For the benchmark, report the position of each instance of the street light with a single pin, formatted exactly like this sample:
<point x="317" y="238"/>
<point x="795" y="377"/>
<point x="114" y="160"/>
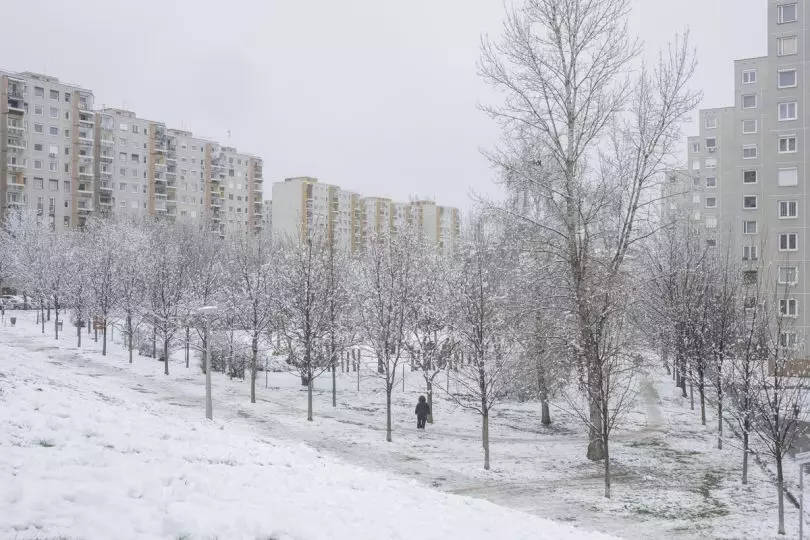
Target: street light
<point x="207" y="311"/>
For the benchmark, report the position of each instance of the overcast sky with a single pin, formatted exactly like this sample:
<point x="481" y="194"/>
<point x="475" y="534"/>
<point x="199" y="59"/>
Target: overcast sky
<point x="377" y="96"/>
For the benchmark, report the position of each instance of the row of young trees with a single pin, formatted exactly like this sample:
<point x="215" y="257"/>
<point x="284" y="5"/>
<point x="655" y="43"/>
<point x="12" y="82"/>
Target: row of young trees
<point x="726" y="331"/>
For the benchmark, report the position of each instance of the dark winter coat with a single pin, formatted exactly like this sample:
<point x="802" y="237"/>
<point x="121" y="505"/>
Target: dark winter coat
<point x="422" y="409"/>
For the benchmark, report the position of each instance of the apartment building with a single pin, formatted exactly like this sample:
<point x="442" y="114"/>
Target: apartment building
<point x="748" y="165"/>
<point x="300" y="205"/>
<point x="47" y="147"/>
<point x="68" y="161"/>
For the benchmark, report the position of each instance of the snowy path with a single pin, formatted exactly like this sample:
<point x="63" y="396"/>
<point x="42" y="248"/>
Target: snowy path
<point x="664" y="465"/>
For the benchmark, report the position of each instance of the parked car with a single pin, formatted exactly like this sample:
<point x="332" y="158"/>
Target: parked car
<point x="11" y="302"/>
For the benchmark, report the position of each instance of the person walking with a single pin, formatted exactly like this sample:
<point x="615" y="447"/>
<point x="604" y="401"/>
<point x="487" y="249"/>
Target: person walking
<point x="422" y="412"/>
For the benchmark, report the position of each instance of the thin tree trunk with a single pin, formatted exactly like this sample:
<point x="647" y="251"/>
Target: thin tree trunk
<point x="745" y="452"/>
<point x="187" y="338"/>
<point x="430" y="401"/>
<point x="154" y="342"/>
<point x="780" y="485"/>
<point x="596" y="451"/>
<point x="607" y="468"/>
<point x="309" y="400"/>
<point x="166" y="356"/>
<point x="78" y="335"/>
<point x="254" y="346"/>
<point x="334" y="381"/>
<point x="49" y="310"/>
<point x="56" y="323"/>
<point x="129" y="336"/>
<point x="702" y="392"/>
<point x="485" y="438"/>
<point x="388" y="412"/>
<point x="720" y="419"/>
<point x="691" y="396"/>
<point x="42" y="318"/>
<point x="104" y="339"/>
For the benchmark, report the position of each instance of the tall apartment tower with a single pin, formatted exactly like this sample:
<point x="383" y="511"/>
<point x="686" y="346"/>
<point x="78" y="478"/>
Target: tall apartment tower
<point x="749" y="165"/>
<point x="47" y="147"/>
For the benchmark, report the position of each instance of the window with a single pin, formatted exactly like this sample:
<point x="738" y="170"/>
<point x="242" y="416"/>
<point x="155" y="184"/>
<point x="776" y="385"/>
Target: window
<point x="39" y="128"/>
<point x="53" y="184"/>
<point x="134" y="204"/>
<point x="54" y="130"/>
<point x="38" y="183"/>
<point x="135" y="173"/>
<point x="788" y="241"/>
<point x="710" y="242"/>
<point x="38" y="110"/>
<point x="750" y="253"/>
<point x="710" y="122"/>
<point x="53" y="166"/>
<point x="39" y="91"/>
<point x="788" y="275"/>
<point x="750" y="202"/>
<point x="711" y="182"/>
<point x="135" y="158"/>
<point x="122" y="142"/>
<point x="750" y="151"/>
<point x="788" y="209"/>
<point x="696" y="198"/>
<point x="135" y="129"/>
<point x="749" y="227"/>
<point x="38" y="164"/>
<point x="749" y="76"/>
<point x="696" y="147"/>
<point x="749" y="101"/>
<point x="135" y="188"/>
<point x="786" y="78"/>
<point x="750" y="176"/>
<point x="749" y="126"/>
<point x="788" y="176"/>
<point x="711" y="202"/>
<point x="53" y="94"/>
<point x="785" y="46"/>
<point x="67" y="133"/>
<point x="787" y="339"/>
<point x="67" y="97"/>
<point x="122" y="186"/>
<point x="711" y="144"/>
<point x="66" y="221"/>
<point x="123" y="204"/>
<point x="786" y="13"/>
<point x="38" y="147"/>
<point x="787" y="144"/>
<point x="54" y="112"/>
<point x="710" y="163"/>
<point x="788" y="307"/>
<point x="711" y="222"/>
<point x="67" y="167"/>
<point x="123" y="127"/>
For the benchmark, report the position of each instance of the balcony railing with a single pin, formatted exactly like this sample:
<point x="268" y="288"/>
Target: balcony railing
<point x="105" y="186"/>
<point x="85" y="206"/>
<point x="15" y="185"/>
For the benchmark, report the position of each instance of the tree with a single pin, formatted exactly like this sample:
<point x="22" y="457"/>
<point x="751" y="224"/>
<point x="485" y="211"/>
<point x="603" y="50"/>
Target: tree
<point x="252" y="288"/>
<point x="340" y="331"/>
<point x="386" y="278"/>
<point x="568" y="101"/>
<point x="103" y="265"/>
<point x="303" y="307"/>
<point x="167" y="280"/>
<point x="132" y="280"/>
<point x="483" y="325"/>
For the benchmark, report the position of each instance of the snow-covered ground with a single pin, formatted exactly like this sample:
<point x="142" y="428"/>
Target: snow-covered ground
<point x="93" y="447"/>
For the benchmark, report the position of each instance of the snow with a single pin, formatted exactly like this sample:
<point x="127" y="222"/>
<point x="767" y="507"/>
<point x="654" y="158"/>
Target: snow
<point x="93" y="447"/>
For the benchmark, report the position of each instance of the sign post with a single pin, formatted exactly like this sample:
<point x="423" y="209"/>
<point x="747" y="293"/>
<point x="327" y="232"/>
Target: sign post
<point x="802" y="459"/>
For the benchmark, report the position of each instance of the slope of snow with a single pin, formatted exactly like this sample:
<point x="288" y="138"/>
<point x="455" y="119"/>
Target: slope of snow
<point x="86" y="454"/>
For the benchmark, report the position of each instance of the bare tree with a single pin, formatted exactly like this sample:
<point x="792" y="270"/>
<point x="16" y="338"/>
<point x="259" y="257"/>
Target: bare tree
<point x="386" y="282"/>
<point x="103" y="265"/>
<point x="131" y="279"/>
<point x="483" y="323"/>
<point x="563" y="67"/>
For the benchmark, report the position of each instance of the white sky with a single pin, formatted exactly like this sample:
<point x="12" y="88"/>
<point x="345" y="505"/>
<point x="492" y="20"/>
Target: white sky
<point x="377" y="96"/>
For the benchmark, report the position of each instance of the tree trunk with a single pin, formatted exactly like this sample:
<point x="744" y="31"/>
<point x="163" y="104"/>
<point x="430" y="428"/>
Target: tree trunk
<point x="334" y="381"/>
<point x="187" y="338"/>
<point x="154" y="342"/>
<point x="49" y="310"/>
<point x="388" y="412"/>
<point x="104" y="339"/>
<point x="691" y="396"/>
<point x="720" y="419"/>
<point x="485" y="438"/>
<point x="304" y="380"/>
<point x="56" y="323"/>
<point x="309" y="400"/>
<point x="42" y="318"/>
<point x="166" y="356"/>
<point x="78" y="335"/>
<point x="254" y="347"/>
<point x="607" y="468"/>
<point x="129" y="336"/>
<point x="702" y="392"/>
<point x="430" y="401"/>
<point x="596" y="450"/>
<point x="745" y="451"/>
<point x="780" y="485"/>
<point x="546" y="413"/>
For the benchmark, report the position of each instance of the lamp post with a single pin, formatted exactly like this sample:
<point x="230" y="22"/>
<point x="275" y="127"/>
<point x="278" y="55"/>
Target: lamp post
<point x="207" y="311"/>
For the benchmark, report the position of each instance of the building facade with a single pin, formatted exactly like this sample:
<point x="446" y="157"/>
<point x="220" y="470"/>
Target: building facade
<point x="301" y="205"/>
<point x="748" y="166"/>
<point x="67" y="161"/>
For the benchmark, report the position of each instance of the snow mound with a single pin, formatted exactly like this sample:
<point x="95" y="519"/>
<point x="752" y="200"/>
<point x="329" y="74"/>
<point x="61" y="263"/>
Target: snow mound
<point x="83" y="456"/>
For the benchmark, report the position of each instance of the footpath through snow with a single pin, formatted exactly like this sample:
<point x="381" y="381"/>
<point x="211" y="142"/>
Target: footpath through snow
<point x="85" y="455"/>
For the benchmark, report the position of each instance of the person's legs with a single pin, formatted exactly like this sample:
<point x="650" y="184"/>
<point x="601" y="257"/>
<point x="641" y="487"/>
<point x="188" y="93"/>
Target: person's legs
<point x="420" y="421"/>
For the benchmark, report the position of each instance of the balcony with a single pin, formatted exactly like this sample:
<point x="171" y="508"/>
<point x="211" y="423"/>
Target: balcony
<point x="105" y="186"/>
<point x="85" y="158"/>
<point x="86" y="119"/>
<point x="14" y="199"/>
<point x="106" y="175"/>
<point x="160" y="205"/>
<point x="16" y="127"/>
<point x="105" y="201"/>
<point x="16" y="144"/>
<point x="85" y="206"/>
<point x="85" y="189"/>
<point x="15" y="163"/>
<point x="85" y="141"/>
<point x="106" y="157"/>
<point x="107" y="141"/>
<point x="16" y="185"/>
<point x="16" y="105"/>
<point x="86" y="173"/>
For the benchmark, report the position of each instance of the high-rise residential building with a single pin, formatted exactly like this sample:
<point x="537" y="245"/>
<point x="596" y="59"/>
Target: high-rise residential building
<point x="47" y="144"/>
<point x="68" y="161"/>
<point x="300" y="205"/>
<point x="748" y="166"/>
